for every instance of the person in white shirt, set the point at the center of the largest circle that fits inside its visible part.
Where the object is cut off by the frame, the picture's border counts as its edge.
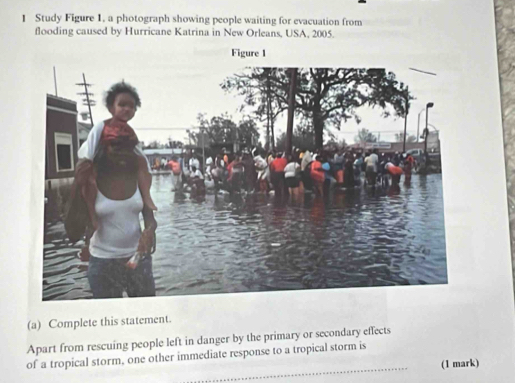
(119, 236)
(292, 176)
(194, 162)
(371, 163)
(196, 173)
(198, 187)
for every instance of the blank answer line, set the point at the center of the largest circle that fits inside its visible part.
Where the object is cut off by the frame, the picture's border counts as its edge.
(297, 375)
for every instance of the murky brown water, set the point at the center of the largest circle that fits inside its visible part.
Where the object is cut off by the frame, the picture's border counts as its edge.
(255, 243)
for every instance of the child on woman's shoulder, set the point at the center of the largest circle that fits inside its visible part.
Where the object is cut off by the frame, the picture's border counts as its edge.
(122, 100)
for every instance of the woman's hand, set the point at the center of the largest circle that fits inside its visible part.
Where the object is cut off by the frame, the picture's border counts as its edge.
(83, 171)
(146, 241)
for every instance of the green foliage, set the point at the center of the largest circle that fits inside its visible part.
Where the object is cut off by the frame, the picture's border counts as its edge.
(153, 145)
(364, 135)
(326, 96)
(399, 137)
(222, 129)
(303, 137)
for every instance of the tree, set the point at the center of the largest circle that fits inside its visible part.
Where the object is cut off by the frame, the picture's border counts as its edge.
(222, 129)
(364, 135)
(260, 95)
(399, 137)
(153, 145)
(326, 96)
(303, 137)
(336, 144)
(174, 144)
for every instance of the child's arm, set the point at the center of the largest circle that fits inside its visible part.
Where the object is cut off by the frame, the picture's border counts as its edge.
(89, 148)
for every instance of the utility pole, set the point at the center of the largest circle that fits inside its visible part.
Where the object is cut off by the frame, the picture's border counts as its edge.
(55, 83)
(291, 110)
(426, 131)
(87, 101)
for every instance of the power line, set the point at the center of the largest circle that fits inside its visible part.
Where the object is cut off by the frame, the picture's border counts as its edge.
(191, 128)
(423, 71)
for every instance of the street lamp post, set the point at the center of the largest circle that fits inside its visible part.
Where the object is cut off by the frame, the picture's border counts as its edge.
(426, 130)
(406, 121)
(418, 123)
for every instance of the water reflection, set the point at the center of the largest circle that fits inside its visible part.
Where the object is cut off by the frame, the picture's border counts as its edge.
(216, 244)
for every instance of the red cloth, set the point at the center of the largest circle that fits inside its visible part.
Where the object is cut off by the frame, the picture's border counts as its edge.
(339, 176)
(278, 164)
(175, 167)
(394, 170)
(317, 172)
(118, 131)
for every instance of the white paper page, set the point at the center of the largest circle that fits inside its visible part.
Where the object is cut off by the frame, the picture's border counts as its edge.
(258, 290)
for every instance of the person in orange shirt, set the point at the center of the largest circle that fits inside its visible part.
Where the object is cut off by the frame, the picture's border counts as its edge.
(175, 166)
(409, 163)
(318, 175)
(395, 172)
(277, 174)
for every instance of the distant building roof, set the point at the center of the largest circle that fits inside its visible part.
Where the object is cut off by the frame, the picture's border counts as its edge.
(388, 146)
(61, 103)
(162, 152)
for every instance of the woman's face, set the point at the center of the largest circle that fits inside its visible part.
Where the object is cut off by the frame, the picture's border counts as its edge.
(124, 107)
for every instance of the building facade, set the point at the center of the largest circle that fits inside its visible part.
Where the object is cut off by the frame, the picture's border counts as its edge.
(62, 141)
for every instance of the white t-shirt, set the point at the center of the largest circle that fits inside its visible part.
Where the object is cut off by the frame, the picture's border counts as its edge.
(372, 161)
(306, 159)
(290, 170)
(194, 162)
(197, 173)
(259, 162)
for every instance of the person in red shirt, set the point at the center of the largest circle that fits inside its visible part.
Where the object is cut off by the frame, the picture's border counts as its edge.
(318, 176)
(409, 164)
(175, 166)
(277, 174)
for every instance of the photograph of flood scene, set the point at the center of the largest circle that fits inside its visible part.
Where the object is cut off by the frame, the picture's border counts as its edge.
(198, 180)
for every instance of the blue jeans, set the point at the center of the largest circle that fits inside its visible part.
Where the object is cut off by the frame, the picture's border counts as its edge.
(108, 278)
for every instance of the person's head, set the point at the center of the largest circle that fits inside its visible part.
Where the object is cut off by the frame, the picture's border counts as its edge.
(374, 151)
(122, 101)
(193, 169)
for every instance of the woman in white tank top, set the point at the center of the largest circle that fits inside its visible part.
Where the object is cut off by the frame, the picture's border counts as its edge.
(118, 237)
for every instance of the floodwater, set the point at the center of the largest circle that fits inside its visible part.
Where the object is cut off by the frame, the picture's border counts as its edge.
(355, 238)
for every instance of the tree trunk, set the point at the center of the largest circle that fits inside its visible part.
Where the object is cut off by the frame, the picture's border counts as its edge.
(268, 111)
(318, 126)
(291, 111)
(272, 133)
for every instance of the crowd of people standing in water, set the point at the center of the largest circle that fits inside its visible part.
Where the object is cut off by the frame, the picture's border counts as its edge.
(111, 191)
(302, 171)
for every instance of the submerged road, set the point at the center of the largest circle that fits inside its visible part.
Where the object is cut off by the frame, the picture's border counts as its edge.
(222, 244)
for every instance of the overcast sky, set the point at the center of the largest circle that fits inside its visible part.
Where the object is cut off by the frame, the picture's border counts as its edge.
(173, 95)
